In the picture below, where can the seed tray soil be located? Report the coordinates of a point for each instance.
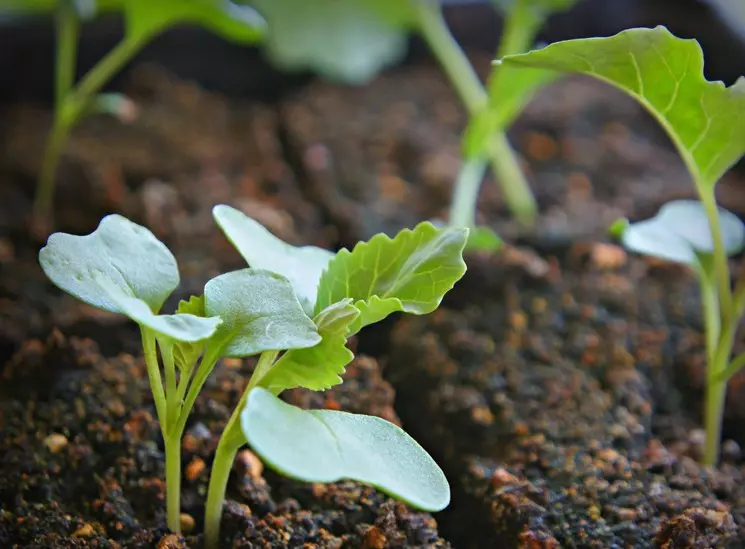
(559, 386)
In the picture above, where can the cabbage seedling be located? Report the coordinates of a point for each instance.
(704, 121)
(343, 293)
(121, 267)
(143, 21)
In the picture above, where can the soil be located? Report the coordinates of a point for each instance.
(559, 385)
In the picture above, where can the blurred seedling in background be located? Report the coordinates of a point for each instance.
(704, 120)
(143, 21)
(352, 40)
(296, 309)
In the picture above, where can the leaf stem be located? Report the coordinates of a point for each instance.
(466, 193)
(173, 481)
(714, 412)
(68, 33)
(156, 383)
(231, 440)
(464, 79)
(721, 268)
(210, 358)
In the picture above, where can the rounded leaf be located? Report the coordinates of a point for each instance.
(328, 446)
(118, 255)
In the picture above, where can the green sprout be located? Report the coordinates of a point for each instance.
(352, 40)
(143, 21)
(704, 121)
(295, 308)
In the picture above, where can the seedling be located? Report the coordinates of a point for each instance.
(343, 293)
(295, 308)
(352, 40)
(144, 20)
(704, 121)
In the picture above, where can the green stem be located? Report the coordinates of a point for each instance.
(210, 358)
(721, 267)
(68, 33)
(466, 192)
(169, 366)
(156, 383)
(231, 440)
(70, 107)
(454, 62)
(735, 366)
(715, 396)
(173, 481)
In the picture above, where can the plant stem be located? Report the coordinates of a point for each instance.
(454, 62)
(71, 105)
(68, 32)
(210, 358)
(466, 193)
(721, 267)
(173, 481)
(156, 383)
(715, 396)
(231, 440)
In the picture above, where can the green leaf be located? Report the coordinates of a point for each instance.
(302, 266)
(260, 312)
(187, 354)
(118, 254)
(410, 273)
(680, 232)
(235, 22)
(665, 74)
(483, 239)
(194, 306)
(316, 368)
(345, 40)
(328, 446)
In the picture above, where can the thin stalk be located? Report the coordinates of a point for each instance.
(230, 441)
(721, 267)
(70, 107)
(173, 481)
(713, 414)
(463, 78)
(210, 358)
(735, 366)
(156, 383)
(169, 365)
(68, 33)
(466, 193)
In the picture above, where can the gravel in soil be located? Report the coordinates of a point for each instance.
(566, 404)
(83, 463)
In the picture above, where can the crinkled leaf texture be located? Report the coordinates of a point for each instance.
(410, 273)
(260, 312)
(321, 366)
(665, 74)
(680, 232)
(235, 22)
(186, 353)
(302, 266)
(345, 40)
(328, 446)
(121, 267)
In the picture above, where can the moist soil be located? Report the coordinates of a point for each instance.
(559, 385)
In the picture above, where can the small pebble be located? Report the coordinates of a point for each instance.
(56, 442)
(731, 450)
(249, 464)
(84, 531)
(187, 523)
(194, 469)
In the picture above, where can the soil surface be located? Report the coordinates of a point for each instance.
(559, 386)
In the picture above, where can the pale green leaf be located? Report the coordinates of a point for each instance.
(328, 446)
(665, 74)
(410, 273)
(260, 312)
(118, 254)
(344, 40)
(680, 232)
(483, 239)
(320, 367)
(302, 266)
(232, 21)
(187, 354)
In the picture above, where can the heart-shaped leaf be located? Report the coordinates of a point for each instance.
(328, 446)
(319, 367)
(411, 273)
(235, 22)
(345, 40)
(260, 312)
(680, 232)
(302, 266)
(119, 254)
(665, 74)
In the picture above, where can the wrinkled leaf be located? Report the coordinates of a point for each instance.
(317, 368)
(187, 354)
(680, 232)
(328, 446)
(260, 312)
(302, 266)
(118, 254)
(410, 273)
(235, 22)
(345, 40)
(665, 74)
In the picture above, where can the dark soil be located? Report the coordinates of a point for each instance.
(559, 386)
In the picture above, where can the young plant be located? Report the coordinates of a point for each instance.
(704, 121)
(343, 293)
(143, 21)
(121, 267)
(352, 40)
